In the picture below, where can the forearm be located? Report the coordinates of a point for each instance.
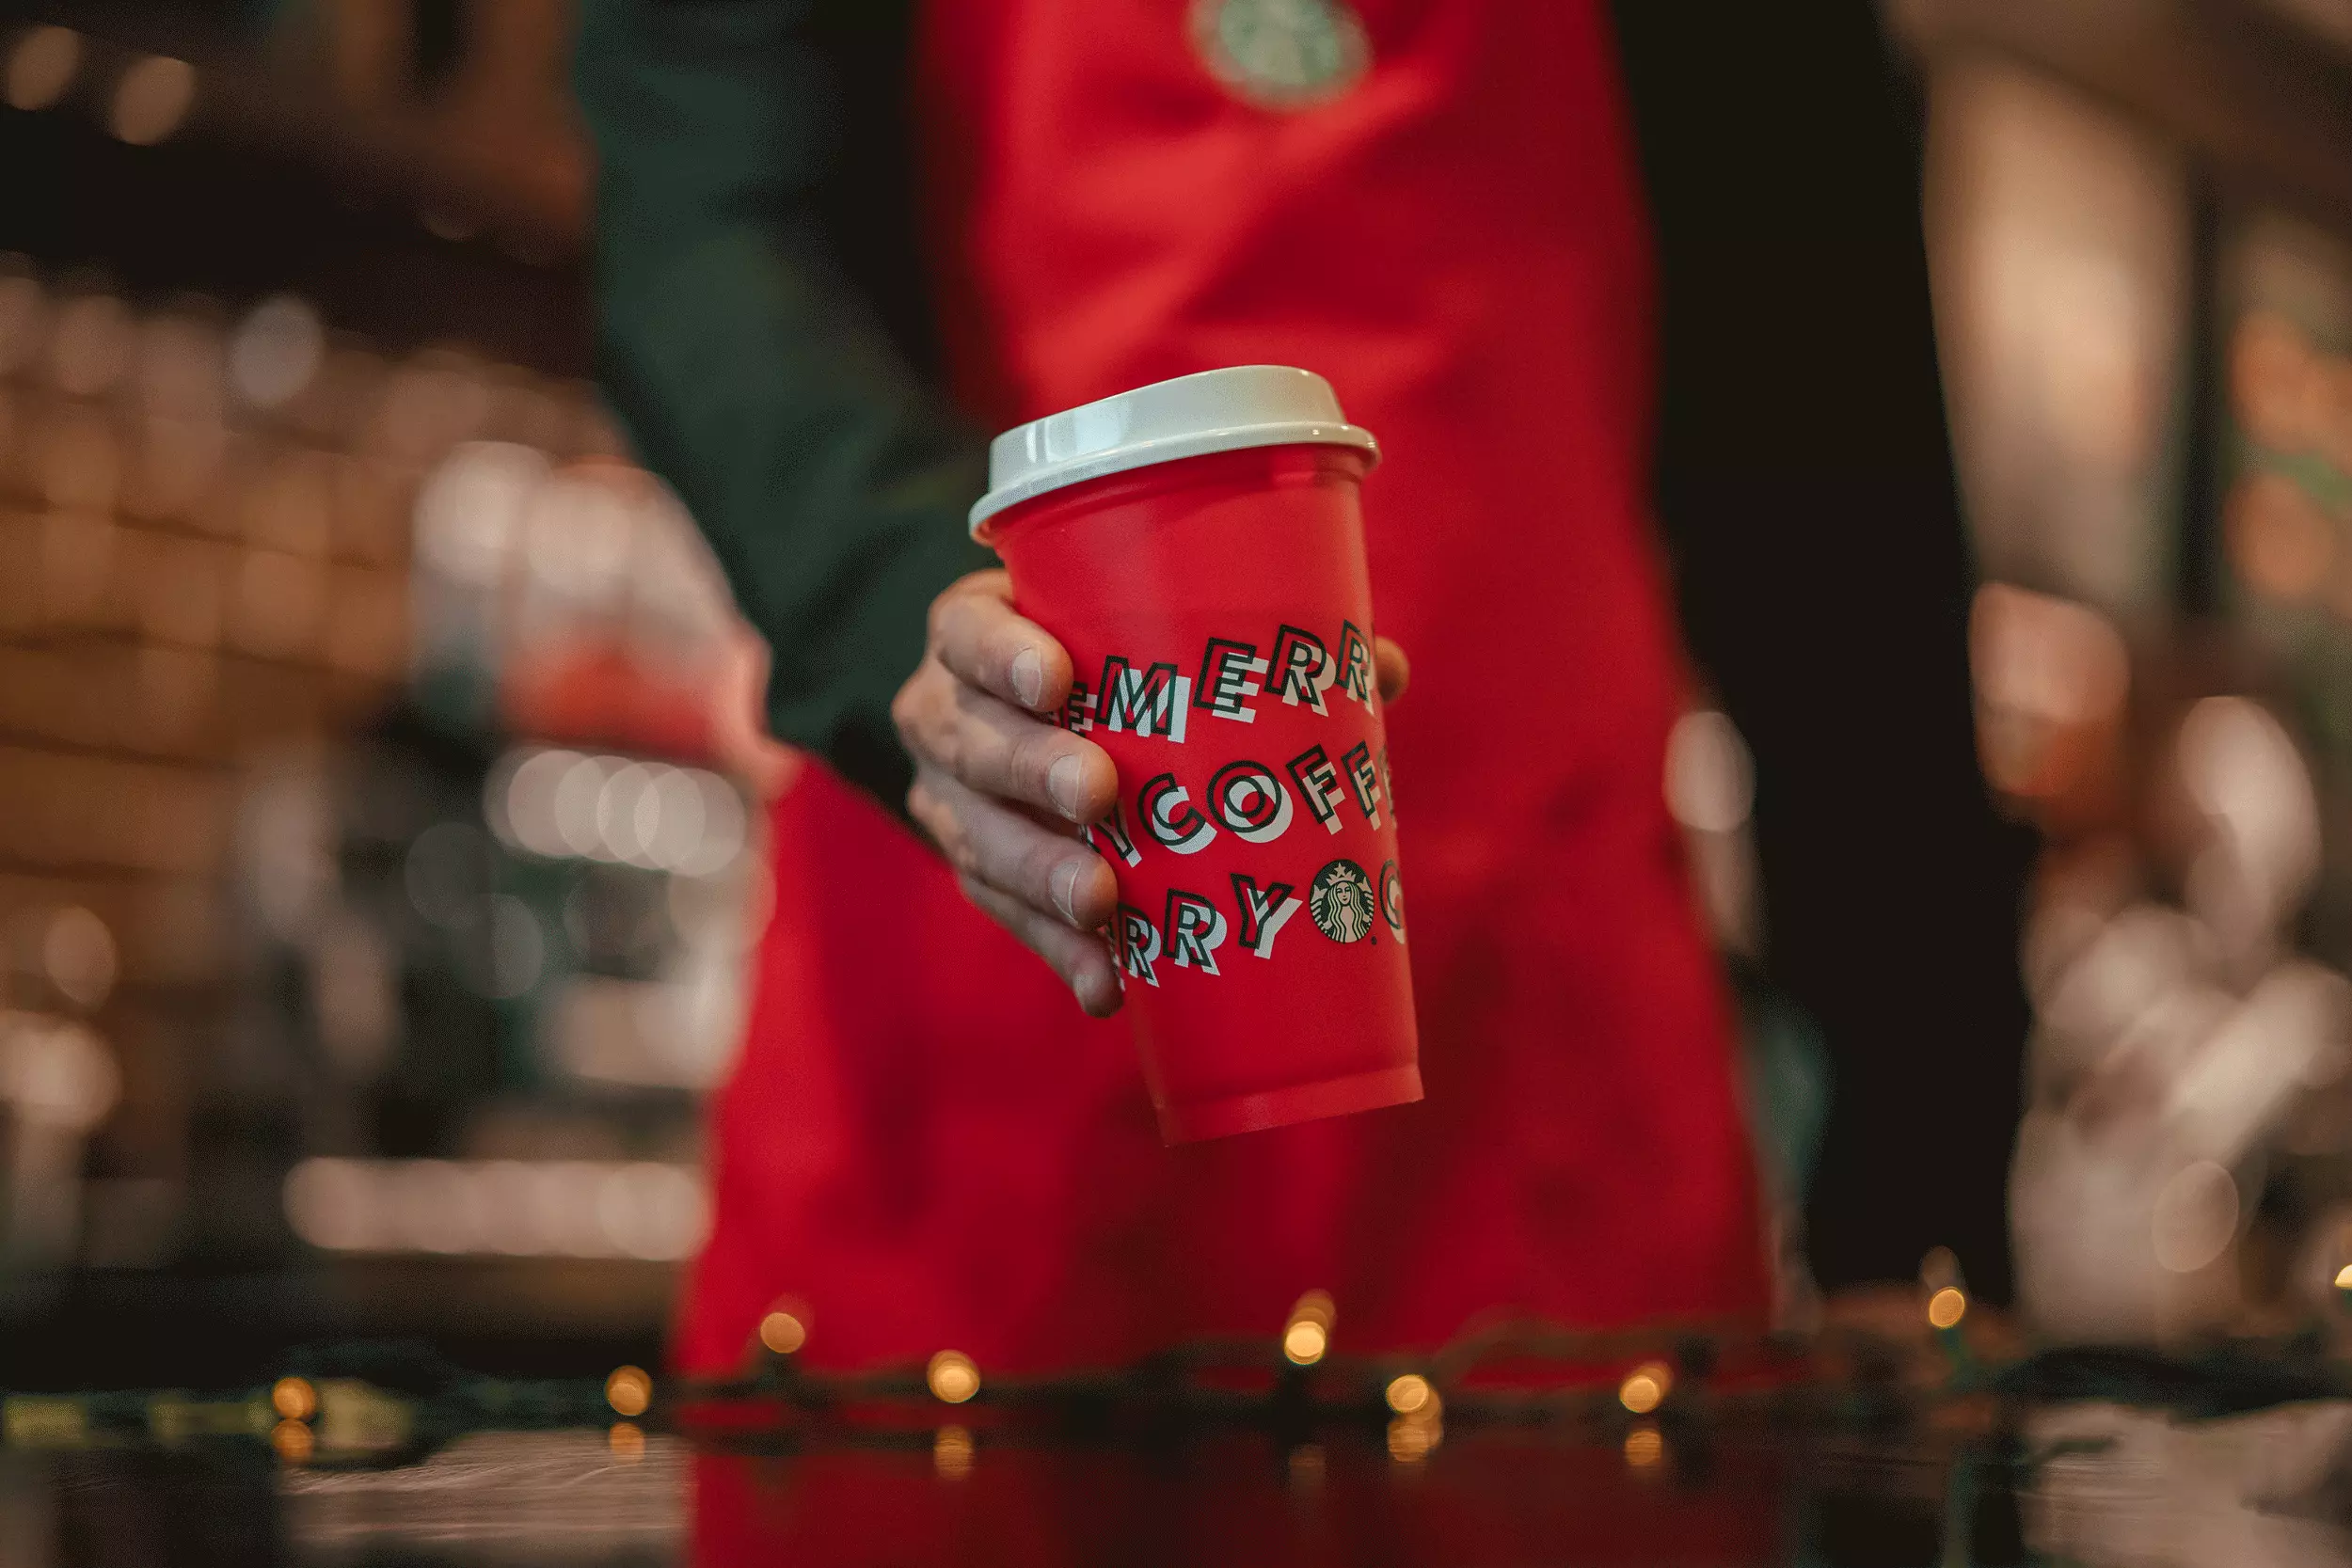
(830, 480)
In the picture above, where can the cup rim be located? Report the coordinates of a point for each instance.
(1231, 409)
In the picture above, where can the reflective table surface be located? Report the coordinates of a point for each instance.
(2076, 1484)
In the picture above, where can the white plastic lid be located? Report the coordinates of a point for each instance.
(1242, 405)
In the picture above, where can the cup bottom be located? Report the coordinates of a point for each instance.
(1255, 1113)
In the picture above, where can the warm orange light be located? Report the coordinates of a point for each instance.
(294, 1398)
(629, 1391)
(1411, 1437)
(152, 99)
(1304, 1342)
(1645, 1387)
(292, 1441)
(951, 1453)
(42, 67)
(1948, 1307)
(783, 1332)
(627, 1442)
(1409, 1394)
(952, 1377)
(2344, 1278)
(1643, 1447)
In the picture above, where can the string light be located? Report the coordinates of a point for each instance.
(1644, 1446)
(294, 1398)
(358, 1417)
(1645, 1387)
(952, 1377)
(783, 1332)
(1411, 1437)
(1409, 1394)
(1304, 1342)
(2344, 1278)
(951, 1453)
(292, 1441)
(1948, 1307)
(629, 1391)
(1306, 1337)
(627, 1440)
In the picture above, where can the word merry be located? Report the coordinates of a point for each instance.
(1158, 701)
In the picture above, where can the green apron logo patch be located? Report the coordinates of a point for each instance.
(1281, 53)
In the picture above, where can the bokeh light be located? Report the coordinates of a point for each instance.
(1644, 1388)
(951, 1377)
(294, 1398)
(952, 1451)
(1409, 1394)
(783, 1332)
(1412, 1438)
(1948, 1307)
(635, 1210)
(1644, 1446)
(41, 64)
(152, 100)
(629, 1391)
(292, 1441)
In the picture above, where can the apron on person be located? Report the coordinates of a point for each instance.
(1433, 203)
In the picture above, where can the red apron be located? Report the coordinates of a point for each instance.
(925, 1144)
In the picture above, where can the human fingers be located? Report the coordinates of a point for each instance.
(1078, 957)
(1390, 669)
(995, 749)
(985, 642)
(1056, 876)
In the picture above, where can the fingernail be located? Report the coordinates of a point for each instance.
(1062, 784)
(1028, 676)
(1066, 889)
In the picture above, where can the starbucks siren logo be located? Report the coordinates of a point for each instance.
(1281, 53)
(1340, 900)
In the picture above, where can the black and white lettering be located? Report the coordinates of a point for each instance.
(1262, 915)
(1077, 713)
(1319, 785)
(1115, 829)
(1137, 944)
(1248, 801)
(1149, 702)
(1393, 900)
(1303, 671)
(1170, 819)
(1363, 776)
(1229, 676)
(1196, 929)
(1355, 677)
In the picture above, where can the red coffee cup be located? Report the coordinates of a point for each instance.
(1197, 546)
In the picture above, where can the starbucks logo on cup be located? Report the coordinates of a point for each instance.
(1281, 53)
(1341, 901)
